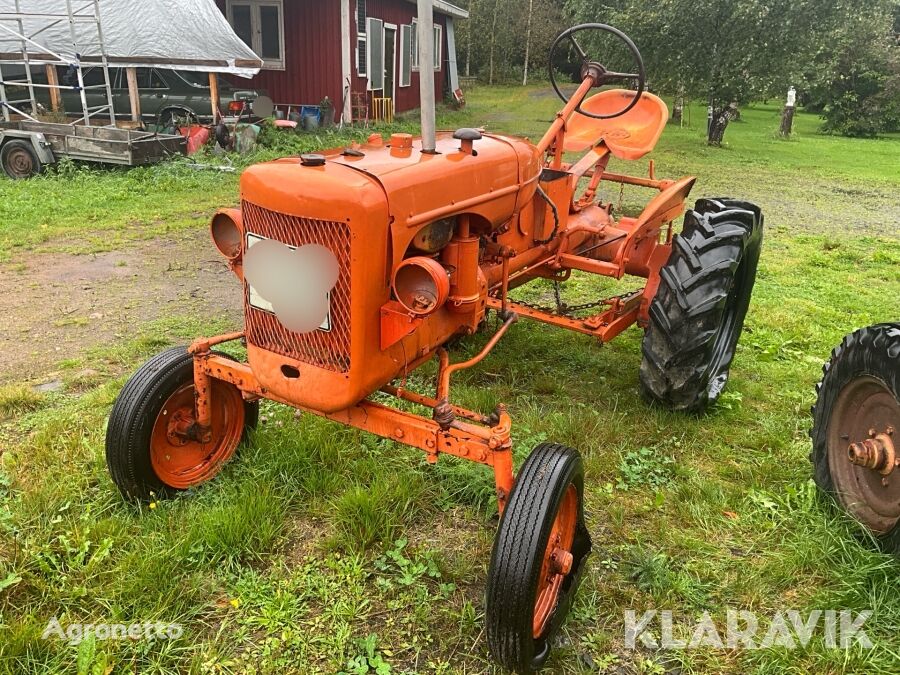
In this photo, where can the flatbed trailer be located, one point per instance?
(26, 146)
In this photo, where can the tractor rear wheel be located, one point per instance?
(538, 557)
(698, 312)
(150, 452)
(856, 429)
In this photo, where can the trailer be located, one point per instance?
(26, 147)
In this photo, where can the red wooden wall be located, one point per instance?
(399, 12)
(312, 36)
(312, 53)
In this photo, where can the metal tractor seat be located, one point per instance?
(629, 136)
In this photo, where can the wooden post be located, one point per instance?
(55, 94)
(134, 94)
(214, 95)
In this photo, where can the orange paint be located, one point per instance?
(425, 244)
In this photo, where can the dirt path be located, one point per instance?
(53, 306)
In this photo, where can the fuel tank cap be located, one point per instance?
(310, 159)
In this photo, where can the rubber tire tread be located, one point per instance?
(19, 143)
(518, 554)
(872, 351)
(683, 366)
(133, 416)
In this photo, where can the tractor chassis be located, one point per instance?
(454, 430)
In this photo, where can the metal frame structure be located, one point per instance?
(33, 53)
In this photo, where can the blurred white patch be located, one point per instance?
(293, 283)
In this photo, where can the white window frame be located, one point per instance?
(438, 33)
(438, 29)
(360, 37)
(268, 64)
(414, 46)
(405, 48)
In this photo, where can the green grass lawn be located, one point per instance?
(322, 549)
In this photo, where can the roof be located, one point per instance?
(447, 8)
(184, 35)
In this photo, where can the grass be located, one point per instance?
(323, 549)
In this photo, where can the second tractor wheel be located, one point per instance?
(856, 424)
(538, 555)
(153, 448)
(698, 312)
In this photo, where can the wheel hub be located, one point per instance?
(861, 453)
(20, 163)
(876, 452)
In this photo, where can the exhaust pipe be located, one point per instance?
(425, 41)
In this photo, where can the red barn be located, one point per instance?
(352, 51)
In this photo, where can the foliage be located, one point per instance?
(492, 41)
(855, 82)
(721, 51)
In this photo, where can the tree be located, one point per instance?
(720, 51)
(855, 83)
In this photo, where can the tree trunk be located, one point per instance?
(527, 40)
(787, 120)
(717, 125)
(493, 41)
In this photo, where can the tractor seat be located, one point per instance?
(629, 136)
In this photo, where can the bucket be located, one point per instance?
(310, 122)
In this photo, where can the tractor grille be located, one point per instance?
(325, 349)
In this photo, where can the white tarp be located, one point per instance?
(180, 34)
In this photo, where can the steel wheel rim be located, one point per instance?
(562, 536)
(864, 404)
(183, 463)
(20, 163)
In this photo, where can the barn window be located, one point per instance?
(375, 52)
(406, 55)
(260, 24)
(414, 42)
(361, 60)
(437, 47)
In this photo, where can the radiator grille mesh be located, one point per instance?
(325, 349)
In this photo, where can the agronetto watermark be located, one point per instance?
(75, 633)
(742, 629)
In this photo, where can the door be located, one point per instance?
(390, 60)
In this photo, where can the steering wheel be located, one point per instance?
(597, 71)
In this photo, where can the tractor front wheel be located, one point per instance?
(856, 430)
(153, 448)
(698, 312)
(538, 556)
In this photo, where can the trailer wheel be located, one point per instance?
(856, 427)
(698, 312)
(538, 557)
(146, 459)
(19, 160)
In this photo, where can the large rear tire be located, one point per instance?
(538, 558)
(698, 312)
(147, 460)
(859, 401)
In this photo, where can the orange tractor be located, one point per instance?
(360, 265)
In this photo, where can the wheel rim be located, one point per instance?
(20, 163)
(864, 408)
(180, 461)
(557, 562)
